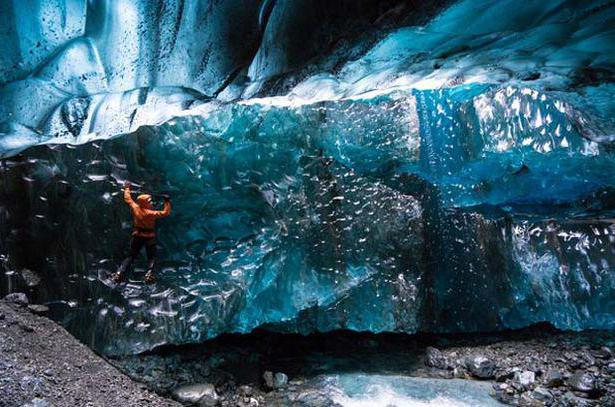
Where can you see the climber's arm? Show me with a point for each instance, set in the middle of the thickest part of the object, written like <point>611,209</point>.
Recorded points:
<point>166,209</point>
<point>127,197</point>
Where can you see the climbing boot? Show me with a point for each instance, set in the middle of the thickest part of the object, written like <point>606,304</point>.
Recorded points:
<point>150,278</point>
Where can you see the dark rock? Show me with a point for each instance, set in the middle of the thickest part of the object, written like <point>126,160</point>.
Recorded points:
<point>554,378</point>
<point>504,393</point>
<point>503,375</point>
<point>268,380</point>
<point>480,367</point>
<point>542,394</point>
<point>26,327</point>
<point>31,278</point>
<point>17,298</point>
<point>611,367</point>
<point>569,399</point>
<point>435,358</point>
<point>605,353</point>
<point>38,309</point>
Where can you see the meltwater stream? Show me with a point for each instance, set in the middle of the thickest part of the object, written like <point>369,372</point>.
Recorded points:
<point>361,390</point>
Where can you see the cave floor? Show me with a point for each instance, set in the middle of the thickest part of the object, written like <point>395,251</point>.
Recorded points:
<point>538,366</point>
<point>41,364</point>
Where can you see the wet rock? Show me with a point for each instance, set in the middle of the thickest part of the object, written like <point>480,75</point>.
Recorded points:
<point>245,391</point>
<point>17,298</point>
<point>38,309</point>
<point>570,399</point>
<point>203,394</point>
<point>435,358</point>
<point>268,380</point>
<point>280,380</point>
<point>554,378</point>
<point>504,393</point>
<point>542,394</point>
<point>31,278</point>
<point>585,383</point>
<point>459,373</point>
<point>480,367</point>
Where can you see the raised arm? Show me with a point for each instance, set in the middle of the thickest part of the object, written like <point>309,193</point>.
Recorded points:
<point>127,197</point>
<point>166,209</point>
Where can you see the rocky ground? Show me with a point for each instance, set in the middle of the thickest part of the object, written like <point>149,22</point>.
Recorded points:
<point>43,365</point>
<point>537,366</point>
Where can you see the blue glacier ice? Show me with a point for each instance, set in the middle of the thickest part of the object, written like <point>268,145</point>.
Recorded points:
<point>333,166</point>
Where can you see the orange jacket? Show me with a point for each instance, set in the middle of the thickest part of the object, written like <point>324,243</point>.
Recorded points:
<point>143,214</point>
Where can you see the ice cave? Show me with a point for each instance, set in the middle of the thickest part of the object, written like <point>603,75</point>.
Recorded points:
<point>437,167</point>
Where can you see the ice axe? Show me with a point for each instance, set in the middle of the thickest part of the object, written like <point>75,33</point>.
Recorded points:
<point>162,195</point>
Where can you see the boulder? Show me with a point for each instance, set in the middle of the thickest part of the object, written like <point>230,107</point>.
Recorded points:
<point>280,380</point>
<point>480,367</point>
<point>38,309</point>
<point>202,394</point>
<point>17,298</point>
<point>525,378</point>
<point>585,383</point>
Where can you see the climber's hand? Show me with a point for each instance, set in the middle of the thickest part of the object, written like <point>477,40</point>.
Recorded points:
<point>166,197</point>
<point>126,184</point>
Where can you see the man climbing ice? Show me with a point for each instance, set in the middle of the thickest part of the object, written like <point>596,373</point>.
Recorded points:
<point>144,233</point>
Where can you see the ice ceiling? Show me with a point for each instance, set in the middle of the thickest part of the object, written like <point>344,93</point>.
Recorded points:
<point>367,165</point>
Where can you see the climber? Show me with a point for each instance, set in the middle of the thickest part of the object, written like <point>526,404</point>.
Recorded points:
<point>144,233</point>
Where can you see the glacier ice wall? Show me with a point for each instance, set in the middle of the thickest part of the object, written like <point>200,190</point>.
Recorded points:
<point>333,165</point>
<point>324,216</point>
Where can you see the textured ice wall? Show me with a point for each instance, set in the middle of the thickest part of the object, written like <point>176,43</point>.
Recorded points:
<point>325,216</point>
<point>364,165</point>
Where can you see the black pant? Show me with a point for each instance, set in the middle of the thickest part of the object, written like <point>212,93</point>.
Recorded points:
<point>136,244</point>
